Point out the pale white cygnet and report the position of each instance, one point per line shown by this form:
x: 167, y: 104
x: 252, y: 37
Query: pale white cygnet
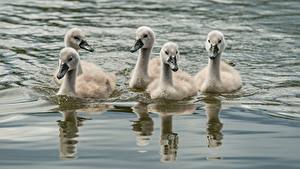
x: 218, y: 76
x: 171, y: 86
x: 91, y: 84
x: 75, y: 38
x: 144, y: 71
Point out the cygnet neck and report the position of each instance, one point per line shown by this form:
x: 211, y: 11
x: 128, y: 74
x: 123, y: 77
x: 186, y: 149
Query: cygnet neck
x: 68, y: 84
x: 214, y: 68
x: 166, y: 77
x: 141, y: 66
x: 79, y: 68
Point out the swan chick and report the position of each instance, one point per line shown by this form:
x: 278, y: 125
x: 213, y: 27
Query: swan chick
x: 141, y: 76
x: 218, y: 76
x: 171, y: 86
x: 92, y: 84
x: 75, y: 38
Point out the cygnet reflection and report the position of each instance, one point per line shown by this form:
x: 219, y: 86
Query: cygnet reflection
x: 169, y: 139
x: 214, y: 125
x: 69, y: 129
x: 68, y: 132
x: 143, y: 126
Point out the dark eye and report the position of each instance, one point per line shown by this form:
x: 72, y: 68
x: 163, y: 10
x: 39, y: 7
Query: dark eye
x: 176, y: 51
x: 70, y: 59
x: 145, y: 36
x: 76, y: 37
x: 167, y: 53
x: 220, y: 41
x: 208, y: 41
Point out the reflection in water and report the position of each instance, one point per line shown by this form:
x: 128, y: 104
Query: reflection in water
x: 68, y: 128
x: 143, y: 126
x: 68, y: 132
x: 168, y: 138
x: 214, y: 125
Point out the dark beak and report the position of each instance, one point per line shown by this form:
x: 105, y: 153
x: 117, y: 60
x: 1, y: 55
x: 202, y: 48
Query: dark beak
x: 214, y: 52
x: 173, y: 63
x: 63, y: 69
x: 138, y: 45
x: 84, y: 45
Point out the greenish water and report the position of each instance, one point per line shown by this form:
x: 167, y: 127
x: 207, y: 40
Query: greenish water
x: 257, y: 127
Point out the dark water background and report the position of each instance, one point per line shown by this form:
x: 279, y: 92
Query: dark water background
x: 258, y: 127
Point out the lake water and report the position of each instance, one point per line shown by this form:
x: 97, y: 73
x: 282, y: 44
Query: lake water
x: 257, y: 127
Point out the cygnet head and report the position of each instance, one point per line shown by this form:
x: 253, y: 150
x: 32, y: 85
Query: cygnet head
x: 145, y: 38
x: 169, y: 54
x: 215, y: 44
x: 68, y: 60
x: 75, y: 38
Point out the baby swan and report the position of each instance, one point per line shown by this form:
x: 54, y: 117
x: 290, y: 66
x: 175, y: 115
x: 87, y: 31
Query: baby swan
x: 217, y: 77
x: 141, y: 76
x: 75, y: 38
x: 93, y: 84
x: 171, y: 86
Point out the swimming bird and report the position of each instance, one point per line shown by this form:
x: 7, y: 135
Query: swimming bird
x: 171, y: 86
x: 217, y: 77
x: 144, y: 71
x: 94, y: 83
x: 75, y: 38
